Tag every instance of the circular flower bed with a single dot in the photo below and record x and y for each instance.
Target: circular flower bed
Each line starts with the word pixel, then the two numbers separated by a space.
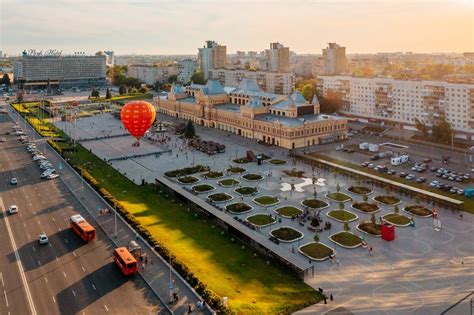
pixel 239 208
pixel 359 190
pixel 266 201
pixel 366 207
pixel 346 239
pixel 316 251
pixel 187 180
pixel 342 215
pixel 229 182
pixel 251 177
pixel 246 191
pixel 288 211
pixel 387 200
pixel 338 197
pixel 396 219
pixel 212 174
pixel 261 219
pixel 316 204
pixel 242 161
pixel 287 234
pixel 220 197
pixel 187 171
pixel 418 210
pixel 277 162
pixel 236 170
pixel 370 228
pixel 204 188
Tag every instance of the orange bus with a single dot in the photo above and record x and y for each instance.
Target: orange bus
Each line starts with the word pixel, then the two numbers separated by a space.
pixel 82 228
pixel 125 261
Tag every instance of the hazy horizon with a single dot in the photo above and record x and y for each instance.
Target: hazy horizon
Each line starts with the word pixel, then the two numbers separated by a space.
pixel 167 27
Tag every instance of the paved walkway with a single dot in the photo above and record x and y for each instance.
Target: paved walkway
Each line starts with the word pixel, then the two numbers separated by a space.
pixel 157 272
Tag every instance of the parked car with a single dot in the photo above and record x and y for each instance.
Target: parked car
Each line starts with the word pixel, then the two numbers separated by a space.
pixel 13 209
pixel 427 160
pixel 43 239
pixel 371 165
pixel 391 172
pixel 52 176
pixel 402 175
pixel 365 164
pixel 14 181
pixel 421 180
pixel 410 177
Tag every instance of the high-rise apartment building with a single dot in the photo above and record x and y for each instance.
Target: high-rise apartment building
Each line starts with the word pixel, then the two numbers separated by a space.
pixel 334 58
pixel 212 56
pixel 277 58
pixel 79 70
pixel 151 74
pixel 185 69
pixel 402 102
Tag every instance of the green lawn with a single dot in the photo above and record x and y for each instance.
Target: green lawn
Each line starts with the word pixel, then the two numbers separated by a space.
pixel 261 219
pixel 277 162
pixel 315 203
pixel 388 200
pixel 238 207
pixel 346 238
pixel 366 207
pixel 286 233
pixel 396 219
pixel 236 169
pixel 337 196
pixel 132 97
pixel 316 250
pixel 246 191
pixel 360 190
pixel 371 228
pixel 252 176
pixel 418 210
pixel 213 174
pixel 203 188
pixel 243 160
pixel 342 215
pixel 229 182
pixel 188 179
pixel 266 200
pixel 218 197
pixel 252 286
pixel 288 211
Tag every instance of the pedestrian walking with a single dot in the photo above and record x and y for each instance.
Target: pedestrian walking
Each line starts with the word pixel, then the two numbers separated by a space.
pixel 190 309
pixel 331 298
pixel 337 262
pixel 175 297
pixel 146 258
pixel 143 266
pixel 370 250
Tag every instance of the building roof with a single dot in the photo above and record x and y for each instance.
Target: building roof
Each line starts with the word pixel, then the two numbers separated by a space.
pixel 176 89
pixel 255 102
pixel 297 97
pixel 228 107
pixel 249 85
pixel 213 87
pixel 294 122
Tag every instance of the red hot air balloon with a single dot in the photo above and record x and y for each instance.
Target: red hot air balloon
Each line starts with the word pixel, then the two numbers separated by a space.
pixel 137 117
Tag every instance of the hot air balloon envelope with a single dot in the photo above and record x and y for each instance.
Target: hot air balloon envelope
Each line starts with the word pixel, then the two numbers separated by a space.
pixel 137 117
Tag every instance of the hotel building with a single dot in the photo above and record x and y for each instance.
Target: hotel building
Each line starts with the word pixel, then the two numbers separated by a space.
pixel 401 102
pixel 285 121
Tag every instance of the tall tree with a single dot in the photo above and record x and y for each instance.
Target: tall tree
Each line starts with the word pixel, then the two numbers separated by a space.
pixel 189 131
pixel 421 127
pixel 442 131
pixel 108 95
pixel 6 80
pixel 122 90
pixel 307 91
pixel 172 79
pixel 143 89
pixel 331 102
pixel 198 78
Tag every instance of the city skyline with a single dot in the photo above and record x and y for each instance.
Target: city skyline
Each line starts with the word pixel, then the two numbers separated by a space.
pixel 157 28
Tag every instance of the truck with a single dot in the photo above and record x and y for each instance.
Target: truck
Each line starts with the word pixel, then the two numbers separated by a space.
pixel 363 146
pixel 398 160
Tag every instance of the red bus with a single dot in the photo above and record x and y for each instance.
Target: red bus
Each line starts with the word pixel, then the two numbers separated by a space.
pixel 125 261
pixel 82 228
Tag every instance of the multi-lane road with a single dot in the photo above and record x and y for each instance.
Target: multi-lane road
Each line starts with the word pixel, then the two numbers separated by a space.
pixel 67 276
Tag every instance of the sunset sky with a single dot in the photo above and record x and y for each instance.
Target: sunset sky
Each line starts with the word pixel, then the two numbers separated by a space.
pixel 181 26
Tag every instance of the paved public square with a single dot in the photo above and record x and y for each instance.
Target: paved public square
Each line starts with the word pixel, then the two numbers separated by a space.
pixel 412 274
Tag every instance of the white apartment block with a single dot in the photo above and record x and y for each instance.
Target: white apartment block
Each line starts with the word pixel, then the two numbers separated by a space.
pixel 186 69
pixel 401 102
pixel 150 74
pixel 271 82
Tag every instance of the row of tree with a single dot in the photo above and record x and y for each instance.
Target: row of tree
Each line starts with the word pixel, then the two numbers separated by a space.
pixel 441 131
pixel 329 103
pixel 5 80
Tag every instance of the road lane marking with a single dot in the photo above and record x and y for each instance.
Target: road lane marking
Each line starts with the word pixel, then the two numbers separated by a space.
pixel 73 293
pixel 39 262
pixel 18 260
pixel 46 279
pixel 74 253
pixel 57 258
pixel 54 220
pixel 29 236
pixel 24 225
pixel 6 300
pixel 106 308
pixel 34 212
pixel 54 300
pixel 65 276
pixel 93 286
pixel 83 270
pixel 1 278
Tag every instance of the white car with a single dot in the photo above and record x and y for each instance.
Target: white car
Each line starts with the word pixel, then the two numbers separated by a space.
pixel 13 181
pixel 39 157
pixel 43 239
pixel 47 172
pixel 52 176
pixel 13 209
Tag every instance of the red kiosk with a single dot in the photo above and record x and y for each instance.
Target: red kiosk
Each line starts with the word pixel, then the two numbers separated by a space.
pixel 388 232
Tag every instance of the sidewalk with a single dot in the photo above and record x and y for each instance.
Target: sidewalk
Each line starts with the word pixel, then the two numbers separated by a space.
pixel 157 272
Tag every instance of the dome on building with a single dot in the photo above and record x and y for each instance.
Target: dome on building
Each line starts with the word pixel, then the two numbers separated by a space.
pixel 297 97
pixel 248 85
pixel 176 89
pixel 291 103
